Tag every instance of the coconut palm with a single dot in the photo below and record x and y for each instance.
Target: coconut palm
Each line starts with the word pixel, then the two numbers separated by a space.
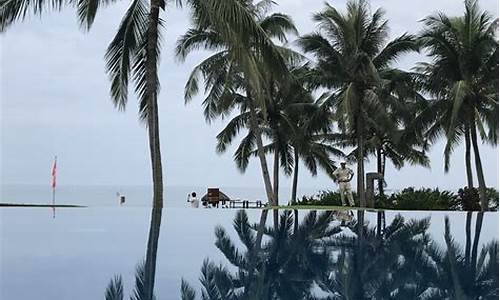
pixel 297 128
pixel 392 137
pixel 274 126
pixel 132 54
pixel 311 141
pixel 240 32
pixel 350 53
pixel 463 77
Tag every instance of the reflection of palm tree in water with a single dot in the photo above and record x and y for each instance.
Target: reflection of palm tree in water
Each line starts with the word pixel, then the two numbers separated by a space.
pixel 465 275
pixel 399 262
pixel 146 271
pixel 283 268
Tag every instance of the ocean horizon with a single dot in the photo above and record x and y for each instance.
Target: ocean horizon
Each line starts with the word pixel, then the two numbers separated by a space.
pixel 135 195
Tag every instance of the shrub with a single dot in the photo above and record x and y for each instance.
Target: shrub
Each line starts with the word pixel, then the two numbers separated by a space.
pixel 421 199
pixel 469 199
pixel 327 198
pixel 415 199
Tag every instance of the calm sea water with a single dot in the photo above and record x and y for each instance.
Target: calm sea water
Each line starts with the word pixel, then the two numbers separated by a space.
pixel 75 254
pixel 175 196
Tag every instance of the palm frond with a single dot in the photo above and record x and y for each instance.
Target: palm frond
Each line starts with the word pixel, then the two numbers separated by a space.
pixel 123 48
pixel 114 290
pixel 187 292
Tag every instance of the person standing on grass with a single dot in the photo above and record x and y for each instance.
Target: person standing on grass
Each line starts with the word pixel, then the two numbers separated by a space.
pixel 343 176
pixel 195 203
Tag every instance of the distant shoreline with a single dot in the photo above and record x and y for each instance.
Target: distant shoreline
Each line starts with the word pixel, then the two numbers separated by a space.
pixel 41 205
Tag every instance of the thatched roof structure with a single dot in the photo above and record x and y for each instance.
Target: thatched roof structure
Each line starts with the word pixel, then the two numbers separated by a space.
pixel 222 196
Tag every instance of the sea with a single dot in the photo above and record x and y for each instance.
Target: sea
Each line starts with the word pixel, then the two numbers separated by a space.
pixel 135 196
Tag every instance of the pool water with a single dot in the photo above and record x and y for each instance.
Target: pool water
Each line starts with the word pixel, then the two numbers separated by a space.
pixel 215 252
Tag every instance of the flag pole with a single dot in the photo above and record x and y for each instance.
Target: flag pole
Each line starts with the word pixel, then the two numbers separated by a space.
pixel 54 172
pixel 53 203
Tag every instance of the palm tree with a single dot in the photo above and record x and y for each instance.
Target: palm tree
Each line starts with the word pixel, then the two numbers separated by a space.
pixel 133 53
pixel 241 33
pixel 393 137
pixel 311 141
pixel 350 58
pixel 296 126
pixel 463 77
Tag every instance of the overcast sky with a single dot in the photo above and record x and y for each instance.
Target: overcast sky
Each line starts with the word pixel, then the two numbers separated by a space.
pixel 54 100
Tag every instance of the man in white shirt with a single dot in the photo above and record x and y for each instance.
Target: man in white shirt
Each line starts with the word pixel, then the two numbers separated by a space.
pixel 343 176
pixel 195 203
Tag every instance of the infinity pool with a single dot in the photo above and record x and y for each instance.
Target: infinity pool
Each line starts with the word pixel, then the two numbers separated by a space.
pixel 403 255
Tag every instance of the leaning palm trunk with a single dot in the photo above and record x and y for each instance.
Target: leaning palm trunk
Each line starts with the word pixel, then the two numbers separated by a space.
pixel 479 169
pixel 361 164
pixel 154 144
pixel 262 156
pixel 260 229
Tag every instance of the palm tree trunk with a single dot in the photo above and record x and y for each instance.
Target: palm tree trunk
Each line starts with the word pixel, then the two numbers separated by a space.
pixel 379 223
pixel 294 189
pixel 468 166
pixel 262 156
pixel 295 175
pixel 380 170
pixel 479 169
pixel 470 185
pixel 276 176
pixel 276 172
pixel 154 144
pixel 151 252
pixel 475 245
pixel 260 230
pixel 361 163
pixel 468 222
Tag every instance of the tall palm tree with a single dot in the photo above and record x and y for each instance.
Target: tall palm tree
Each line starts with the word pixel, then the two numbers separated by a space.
pixel 133 53
pixel 393 137
pixel 463 77
pixel 311 141
pixel 241 33
pixel 350 53
pixel 297 128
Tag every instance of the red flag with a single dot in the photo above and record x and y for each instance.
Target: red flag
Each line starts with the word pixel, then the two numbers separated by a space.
pixel 54 172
